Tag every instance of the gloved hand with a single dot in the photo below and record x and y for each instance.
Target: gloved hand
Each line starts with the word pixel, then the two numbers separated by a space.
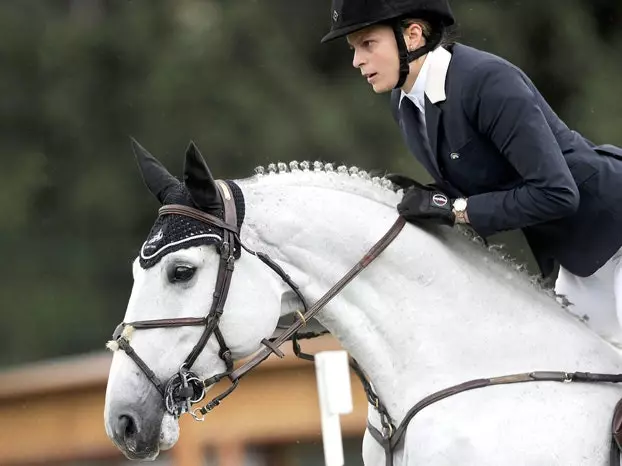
pixel 426 205
pixel 403 182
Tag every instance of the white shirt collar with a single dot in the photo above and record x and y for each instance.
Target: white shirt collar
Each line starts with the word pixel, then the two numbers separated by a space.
pixel 431 79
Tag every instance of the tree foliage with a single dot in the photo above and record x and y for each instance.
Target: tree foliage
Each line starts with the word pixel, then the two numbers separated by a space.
pixel 250 83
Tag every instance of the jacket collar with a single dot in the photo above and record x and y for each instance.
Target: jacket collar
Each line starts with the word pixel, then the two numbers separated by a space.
pixel 432 78
pixel 437 75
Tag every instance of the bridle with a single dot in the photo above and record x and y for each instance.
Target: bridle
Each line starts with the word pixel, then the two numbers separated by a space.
pixel 186 388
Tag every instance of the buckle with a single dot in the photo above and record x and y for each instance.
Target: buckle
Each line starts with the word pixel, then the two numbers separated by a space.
pixel 118 331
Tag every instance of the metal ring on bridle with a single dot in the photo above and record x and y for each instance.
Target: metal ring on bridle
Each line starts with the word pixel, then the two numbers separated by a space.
pixel 178 403
pixel 199 383
pixel 196 417
pixel 302 318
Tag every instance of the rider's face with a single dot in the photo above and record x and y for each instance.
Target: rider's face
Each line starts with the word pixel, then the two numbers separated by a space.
pixel 376 55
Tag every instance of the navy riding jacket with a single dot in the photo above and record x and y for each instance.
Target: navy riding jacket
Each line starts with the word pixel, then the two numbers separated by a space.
pixel 493 139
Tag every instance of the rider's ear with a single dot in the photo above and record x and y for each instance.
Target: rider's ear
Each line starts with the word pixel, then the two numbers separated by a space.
pixel 157 178
pixel 199 181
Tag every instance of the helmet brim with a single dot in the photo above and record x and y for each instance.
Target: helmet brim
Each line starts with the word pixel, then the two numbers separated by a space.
pixel 345 30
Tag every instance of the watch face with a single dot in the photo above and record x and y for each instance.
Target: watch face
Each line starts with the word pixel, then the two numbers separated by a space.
pixel 460 204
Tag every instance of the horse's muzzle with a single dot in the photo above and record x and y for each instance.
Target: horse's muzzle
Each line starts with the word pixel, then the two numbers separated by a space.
pixel 136 442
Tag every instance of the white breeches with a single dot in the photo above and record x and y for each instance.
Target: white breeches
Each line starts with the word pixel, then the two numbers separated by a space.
pixel 597 299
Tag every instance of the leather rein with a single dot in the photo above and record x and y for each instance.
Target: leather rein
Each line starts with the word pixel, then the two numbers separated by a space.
pixel 185 388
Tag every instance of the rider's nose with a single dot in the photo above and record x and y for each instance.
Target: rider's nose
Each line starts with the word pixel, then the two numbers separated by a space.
pixel 356 60
pixel 126 429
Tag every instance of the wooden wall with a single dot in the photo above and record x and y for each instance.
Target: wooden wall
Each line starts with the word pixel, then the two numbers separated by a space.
pixel 53 412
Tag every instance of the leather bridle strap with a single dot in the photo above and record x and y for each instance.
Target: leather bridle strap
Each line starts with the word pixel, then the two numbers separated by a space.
pixel 164 323
pixel 372 254
pixel 179 209
pixel 223 280
pixel 225 271
pixel 127 348
pixel 280 272
pixel 390 440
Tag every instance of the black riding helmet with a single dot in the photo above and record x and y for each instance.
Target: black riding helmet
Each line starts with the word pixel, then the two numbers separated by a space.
pixel 348 16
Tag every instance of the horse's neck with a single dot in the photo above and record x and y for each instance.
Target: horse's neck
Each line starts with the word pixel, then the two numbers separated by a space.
pixel 432 311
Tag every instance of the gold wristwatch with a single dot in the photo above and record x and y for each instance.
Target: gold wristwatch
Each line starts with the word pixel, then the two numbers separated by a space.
pixel 459 208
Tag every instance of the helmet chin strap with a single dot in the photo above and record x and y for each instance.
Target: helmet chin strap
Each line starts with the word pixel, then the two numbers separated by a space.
pixel 407 56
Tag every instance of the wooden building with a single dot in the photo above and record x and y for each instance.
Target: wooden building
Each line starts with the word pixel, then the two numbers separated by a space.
pixel 52 413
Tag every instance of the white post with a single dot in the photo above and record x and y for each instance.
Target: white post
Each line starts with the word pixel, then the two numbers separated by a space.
pixel 335 394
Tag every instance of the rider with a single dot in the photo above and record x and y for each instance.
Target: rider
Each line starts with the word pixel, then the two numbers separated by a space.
pixel 500 157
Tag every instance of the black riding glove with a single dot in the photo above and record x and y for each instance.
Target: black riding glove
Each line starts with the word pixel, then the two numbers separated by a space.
pixel 403 182
pixel 427 206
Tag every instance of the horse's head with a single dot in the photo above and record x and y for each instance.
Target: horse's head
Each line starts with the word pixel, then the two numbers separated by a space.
pixel 177 331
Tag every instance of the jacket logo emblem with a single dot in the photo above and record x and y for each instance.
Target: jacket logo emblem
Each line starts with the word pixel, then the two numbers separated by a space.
pixel 440 200
pixel 454 155
pixel 335 15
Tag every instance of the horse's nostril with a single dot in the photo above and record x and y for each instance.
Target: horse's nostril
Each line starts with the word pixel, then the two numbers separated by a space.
pixel 126 427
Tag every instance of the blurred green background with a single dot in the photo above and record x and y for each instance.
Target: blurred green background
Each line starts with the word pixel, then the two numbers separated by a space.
pixel 250 83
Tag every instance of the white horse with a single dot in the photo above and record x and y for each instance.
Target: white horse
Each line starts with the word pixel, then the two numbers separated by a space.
pixel 434 310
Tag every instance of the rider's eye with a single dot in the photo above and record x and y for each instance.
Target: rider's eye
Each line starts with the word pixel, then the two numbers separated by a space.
pixel 181 273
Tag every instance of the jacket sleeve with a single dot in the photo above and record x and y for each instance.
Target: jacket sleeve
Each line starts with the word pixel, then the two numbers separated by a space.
pixel 502 106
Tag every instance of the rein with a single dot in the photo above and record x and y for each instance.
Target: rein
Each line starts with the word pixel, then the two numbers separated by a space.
pixel 372 254
pixel 186 388
pixel 271 347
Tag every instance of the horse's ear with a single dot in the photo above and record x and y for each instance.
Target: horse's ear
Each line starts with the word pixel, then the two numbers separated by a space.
pixel 199 181
pixel 157 178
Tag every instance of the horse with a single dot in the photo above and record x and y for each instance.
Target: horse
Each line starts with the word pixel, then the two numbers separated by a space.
pixel 435 309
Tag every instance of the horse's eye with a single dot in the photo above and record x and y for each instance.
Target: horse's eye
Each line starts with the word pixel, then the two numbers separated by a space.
pixel 181 273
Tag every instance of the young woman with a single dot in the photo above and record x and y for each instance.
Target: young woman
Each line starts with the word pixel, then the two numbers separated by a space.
pixel 500 156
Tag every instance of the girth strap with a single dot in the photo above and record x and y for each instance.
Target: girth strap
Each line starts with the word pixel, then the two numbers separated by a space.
pixel 389 442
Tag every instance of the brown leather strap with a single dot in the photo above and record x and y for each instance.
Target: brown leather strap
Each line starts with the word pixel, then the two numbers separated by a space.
pixel 390 440
pixel 163 323
pixel 231 214
pixel 614 454
pixel 537 376
pixel 373 253
pixel 179 209
pixel 223 279
pixel 127 348
pixel 616 431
